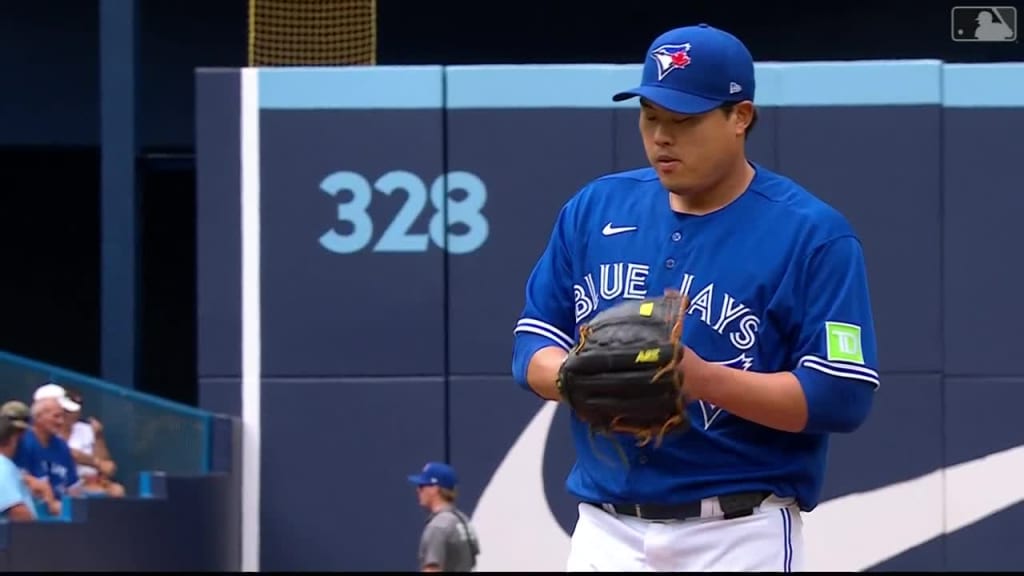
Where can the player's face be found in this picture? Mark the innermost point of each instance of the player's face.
(692, 152)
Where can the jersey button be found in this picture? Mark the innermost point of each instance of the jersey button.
(676, 236)
(642, 459)
(670, 263)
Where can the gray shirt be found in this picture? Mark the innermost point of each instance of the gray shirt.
(449, 542)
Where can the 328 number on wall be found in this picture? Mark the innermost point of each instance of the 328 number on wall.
(396, 235)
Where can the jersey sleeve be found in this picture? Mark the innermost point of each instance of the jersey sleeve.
(548, 317)
(836, 342)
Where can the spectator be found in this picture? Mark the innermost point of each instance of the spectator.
(45, 457)
(16, 504)
(448, 543)
(89, 449)
(38, 488)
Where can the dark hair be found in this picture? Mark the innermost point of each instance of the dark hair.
(728, 108)
(75, 396)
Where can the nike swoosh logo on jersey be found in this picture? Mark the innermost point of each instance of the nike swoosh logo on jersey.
(610, 230)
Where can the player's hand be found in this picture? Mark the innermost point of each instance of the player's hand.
(694, 371)
(97, 426)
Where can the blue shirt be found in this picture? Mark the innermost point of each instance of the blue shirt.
(777, 282)
(13, 490)
(53, 461)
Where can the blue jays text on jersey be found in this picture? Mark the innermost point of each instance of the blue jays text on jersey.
(777, 282)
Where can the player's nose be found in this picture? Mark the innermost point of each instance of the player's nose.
(661, 136)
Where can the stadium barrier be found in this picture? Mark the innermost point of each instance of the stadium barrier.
(143, 432)
(181, 469)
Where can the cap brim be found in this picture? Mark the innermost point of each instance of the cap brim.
(669, 99)
(69, 405)
(418, 480)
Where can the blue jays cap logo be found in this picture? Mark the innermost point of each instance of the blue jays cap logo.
(671, 57)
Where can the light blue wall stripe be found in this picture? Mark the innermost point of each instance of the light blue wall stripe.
(540, 86)
(360, 88)
(983, 85)
(854, 83)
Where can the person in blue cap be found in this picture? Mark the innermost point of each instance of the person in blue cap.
(778, 340)
(448, 543)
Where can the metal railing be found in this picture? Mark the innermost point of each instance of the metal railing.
(143, 432)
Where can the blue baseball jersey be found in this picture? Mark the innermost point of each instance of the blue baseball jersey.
(53, 461)
(777, 282)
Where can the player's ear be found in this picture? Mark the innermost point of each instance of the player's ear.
(741, 115)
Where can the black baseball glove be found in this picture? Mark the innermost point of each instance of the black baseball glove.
(622, 375)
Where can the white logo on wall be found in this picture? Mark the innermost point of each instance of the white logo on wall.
(513, 515)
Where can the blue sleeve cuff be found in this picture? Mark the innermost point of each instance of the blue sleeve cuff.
(526, 345)
(834, 404)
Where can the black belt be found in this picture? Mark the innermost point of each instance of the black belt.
(733, 506)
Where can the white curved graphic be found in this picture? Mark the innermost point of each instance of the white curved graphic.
(852, 533)
(855, 532)
(515, 525)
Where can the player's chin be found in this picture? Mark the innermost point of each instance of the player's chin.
(676, 184)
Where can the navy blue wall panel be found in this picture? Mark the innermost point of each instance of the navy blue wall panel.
(928, 557)
(480, 439)
(194, 529)
(982, 416)
(886, 182)
(336, 457)
(914, 451)
(762, 140)
(218, 242)
(529, 172)
(992, 545)
(221, 395)
(333, 291)
(218, 223)
(984, 199)
(629, 146)
(984, 442)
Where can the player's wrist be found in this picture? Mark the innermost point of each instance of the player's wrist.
(697, 374)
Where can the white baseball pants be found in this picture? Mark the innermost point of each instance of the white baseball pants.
(769, 540)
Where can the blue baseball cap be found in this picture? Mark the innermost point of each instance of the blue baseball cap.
(694, 69)
(436, 474)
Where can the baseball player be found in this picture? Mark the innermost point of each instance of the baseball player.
(779, 343)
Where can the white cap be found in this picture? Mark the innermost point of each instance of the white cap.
(51, 390)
